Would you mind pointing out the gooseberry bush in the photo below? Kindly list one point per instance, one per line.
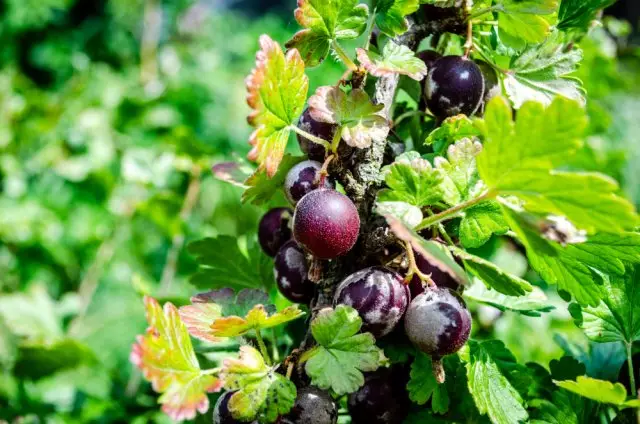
(454, 125)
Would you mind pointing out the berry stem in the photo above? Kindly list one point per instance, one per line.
(263, 347)
(632, 376)
(414, 270)
(337, 136)
(310, 137)
(322, 175)
(468, 45)
(454, 211)
(343, 56)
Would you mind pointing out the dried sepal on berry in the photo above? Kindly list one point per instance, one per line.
(166, 358)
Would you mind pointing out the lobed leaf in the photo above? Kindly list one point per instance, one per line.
(532, 304)
(413, 180)
(256, 319)
(578, 14)
(598, 390)
(390, 15)
(480, 222)
(461, 181)
(423, 386)
(395, 59)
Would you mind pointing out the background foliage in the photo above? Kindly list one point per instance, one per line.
(111, 114)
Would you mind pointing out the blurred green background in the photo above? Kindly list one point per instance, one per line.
(111, 114)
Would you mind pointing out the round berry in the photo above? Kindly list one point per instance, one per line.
(291, 270)
(313, 406)
(440, 277)
(221, 413)
(379, 296)
(438, 322)
(382, 399)
(455, 85)
(491, 82)
(273, 230)
(322, 130)
(304, 178)
(326, 223)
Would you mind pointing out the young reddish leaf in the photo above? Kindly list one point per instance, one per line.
(395, 59)
(256, 319)
(166, 358)
(324, 22)
(277, 90)
(359, 118)
(198, 318)
(259, 389)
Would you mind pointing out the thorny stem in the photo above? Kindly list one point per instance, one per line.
(311, 137)
(453, 212)
(263, 347)
(632, 376)
(413, 268)
(343, 56)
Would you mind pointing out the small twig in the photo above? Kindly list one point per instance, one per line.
(322, 175)
(310, 137)
(414, 270)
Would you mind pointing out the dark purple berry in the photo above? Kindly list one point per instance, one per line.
(454, 85)
(326, 223)
(438, 322)
(379, 295)
(291, 270)
(221, 413)
(382, 399)
(440, 277)
(303, 178)
(429, 57)
(313, 406)
(274, 230)
(322, 130)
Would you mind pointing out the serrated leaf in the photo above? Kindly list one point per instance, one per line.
(395, 59)
(423, 386)
(451, 130)
(405, 212)
(562, 410)
(390, 15)
(360, 120)
(532, 304)
(480, 222)
(224, 264)
(542, 73)
(277, 90)
(617, 317)
(324, 22)
(435, 253)
(260, 188)
(260, 390)
(578, 14)
(413, 180)
(526, 20)
(340, 357)
(492, 392)
(598, 390)
(461, 181)
(493, 276)
(166, 358)
(256, 319)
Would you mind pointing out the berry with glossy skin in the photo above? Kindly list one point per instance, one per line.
(221, 413)
(322, 130)
(382, 399)
(441, 278)
(290, 270)
(313, 406)
(438, 322)
(326, 223)
(304, 178)
(379, 295)
(454, 85)
(274, 231)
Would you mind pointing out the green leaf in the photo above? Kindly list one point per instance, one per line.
(166, 358)
(492, 392)
(578, 14)
(493, 276)
(405, 212)
(325, 22)
(260, 392)
(276, 92)
(480, 222)
(260, 188)
(224, 264)
(603, 360)
(411, 179)
(562, 410)
(423, 386)
(451, 130)
(359, 118)
(598, 390)
(340, 357)
(390, 15)
(32, 315)
(532, 304)
(542, 72)
(256, 319)
(461, 181)
(525, 20)
(395, 59)
(617, 317)
(37, 361)
(566, 368)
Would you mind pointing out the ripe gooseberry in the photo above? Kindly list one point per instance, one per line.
(312, 406)
(290, 270)
(304, 178)
(273, 230)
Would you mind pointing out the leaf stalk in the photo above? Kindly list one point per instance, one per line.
(344, 57)
(454, 211)
(311, 137)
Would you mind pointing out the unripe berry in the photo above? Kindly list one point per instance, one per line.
(379, 296)
(273, 230)
(454, 85)
(321, 130)
(313, 406)
(438, 322)
(326, 223)
(291, 270)
(304, 178)
(221, 413)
